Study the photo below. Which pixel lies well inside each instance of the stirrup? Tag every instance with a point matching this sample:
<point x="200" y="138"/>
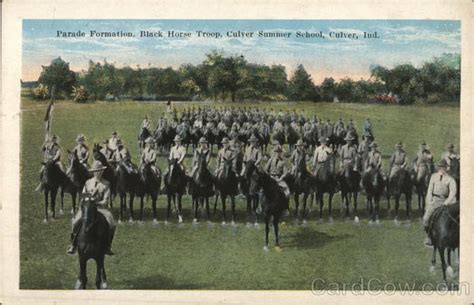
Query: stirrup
<point x="71" y="250"/>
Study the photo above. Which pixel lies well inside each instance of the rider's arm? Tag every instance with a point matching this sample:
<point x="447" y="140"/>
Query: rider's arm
<point x="452" y="192"/>
<point x="429" y="192"/>
<point x="106" y="198"/>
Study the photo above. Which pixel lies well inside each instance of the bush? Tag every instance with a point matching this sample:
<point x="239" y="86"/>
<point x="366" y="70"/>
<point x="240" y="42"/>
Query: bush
<point x="40" y="93"/>
<point x="80" y="94"/>
<point x="434" y="98"/>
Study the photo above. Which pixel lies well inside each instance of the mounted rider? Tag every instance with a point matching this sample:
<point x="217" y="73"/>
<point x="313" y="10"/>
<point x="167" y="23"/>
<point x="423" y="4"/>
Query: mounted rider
<point x="297" y="154"/>
<point x="442" y="190"/>
<point x="99" y="188"/>
<point x="82" y="152"/>
<point x="350" y="126"/>
<point x="364" y="148"/>
<point x="112" y="142"/>
<point x="276" y="168"/>
<point x="51" y="151"/>
<point x="108" y="153"/>
<point x="252" y="153"/>
<point x="322" y="154"/>
<point x="449" y="154"/>
<point x="146" y="124"/>
<point x="339" y="128"/>
<point x="203" y="149"/>
<point x="368" y="129"/>
<point x="374" y="158"/>
<point x="225" y="153"/>
<point x="348" y="156"/>
<point x="398" y="160"/>
<point x="423" y="158"/>
<point x="123" y="154"/>
<point x="178" y="152"/>
<point x="149" y="157"/>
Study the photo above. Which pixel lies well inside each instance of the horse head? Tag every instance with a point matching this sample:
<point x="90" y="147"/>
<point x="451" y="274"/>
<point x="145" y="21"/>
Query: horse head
<point x="89" y="211"/>
<point x="454" y="167"/>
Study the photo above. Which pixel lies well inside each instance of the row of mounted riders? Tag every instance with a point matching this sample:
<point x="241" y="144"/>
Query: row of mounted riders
<point x="203" y="185"/>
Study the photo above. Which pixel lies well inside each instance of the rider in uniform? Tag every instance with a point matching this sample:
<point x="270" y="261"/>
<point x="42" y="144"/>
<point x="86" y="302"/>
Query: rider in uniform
<point x="122" y="153"/>
<point x="149" y="156"/>
<point x="423" y="158"/>
<point x="374" y="158"/>
<point x="297" y="154"/>
<point x="51" y="151"/>
<point x="178" y="151"/>
<point x="82" y="152"/>
<point x="112" y="143"/>
<point x="398" y="160"/>
<point x="322" y="154"/>
<point x="202" y="149"/>
<point x="441" y="191"/>
<point x="225" y="153"/>
<point x="108" y="152"/>
<point x="99" y="188"/>
<point x="252" y="153"/>
<point x="348" y="156"/>
<point x="276" y="168"/>
<point x="449" y="154"/>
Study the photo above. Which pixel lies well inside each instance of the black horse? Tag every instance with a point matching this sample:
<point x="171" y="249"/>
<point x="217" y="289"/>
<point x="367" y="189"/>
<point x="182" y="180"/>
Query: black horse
<point x="92" y="242"/>
<point x="78" y="176"/>
<point x="443" y="230"/>
<point x="374" y="186"/>
<point x="175" y="186"/>
<point x="149" y="184"/>
<point x="326" y="182"/>
<point x="349" y="181"/>
<point x="227" y="185"/>
<point x="279" y="136"/>
<point x="127" y="182"/>
<point x="251" y="190"/>
<point x="201" y="186"/>
<point x="292" y="137"/>
<point x="52" y="179"/>
<point x="274" y="200"/>
<point x="303" y="183"/>
<point x="142" y="136"/>
<point x="400" y="183"/>
<point x="455" y="173"/>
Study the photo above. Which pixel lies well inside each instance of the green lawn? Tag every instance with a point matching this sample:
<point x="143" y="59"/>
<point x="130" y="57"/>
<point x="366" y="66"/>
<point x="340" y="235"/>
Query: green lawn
<point x="217" y="257"/>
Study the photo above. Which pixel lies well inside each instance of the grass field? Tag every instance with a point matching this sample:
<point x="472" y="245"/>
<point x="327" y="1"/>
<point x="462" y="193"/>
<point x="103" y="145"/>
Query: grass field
<point x="217" y="257"/>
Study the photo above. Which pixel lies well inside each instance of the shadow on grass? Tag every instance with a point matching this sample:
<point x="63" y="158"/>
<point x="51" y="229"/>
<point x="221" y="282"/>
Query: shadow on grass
<point x="310" y="238"/>
<point x="158" y="281"/>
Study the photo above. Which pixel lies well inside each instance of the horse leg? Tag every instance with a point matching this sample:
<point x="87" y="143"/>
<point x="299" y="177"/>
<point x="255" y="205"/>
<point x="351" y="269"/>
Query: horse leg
<point x="232" y="204"/>
<point x="61" y="211"/>
<point x="433" y="260"/>
<point x="98" y="275"/>
<point x="397" y="205"/>
<point x="408" y="202"/>
<point x="320" y="200"/>
<point x="297" y="204"/>
<point x="141" y="208"/>
<point x="215" y="203"/>
<point x="249" y="208"/>
<point x="355" y="194"/>
<point x="121" y="208"/>
<point x="168" y="209"/>
<point x="132" y="196"/>
<point x="46" y="198"/>
<point x="208" y="214"/>
<point x="305" y="200"/>
<point x="103" y="274"/>
<point x="224" y="216"/>
<point x="443" y="263"/>
<point x="267" y="230"/>
<point x="73" y="196"/>
<point x="153" y="205"/>
<point x="275" y="229"/>
<point x="54" y="193"/>
<point x="82" y="281"/>
<point x="180" y="209"/>
<point x="330" y="206"/>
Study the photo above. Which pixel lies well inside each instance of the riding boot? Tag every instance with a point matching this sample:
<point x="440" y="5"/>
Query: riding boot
<point x="75" y="232"/>
<point x="40" y="187"/>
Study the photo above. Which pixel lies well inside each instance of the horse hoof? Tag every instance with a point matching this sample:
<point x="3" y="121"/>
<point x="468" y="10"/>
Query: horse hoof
<point x="61" y="212"/>
<point x="224" y="223"/>
<point x="331" y="220"/>
<point x="180" y="219"/>
<point x="45" y="220"/>
<point x="233" y="223"/>
<point x="77" y="285"/>
<point x="371" y="222"/>
<point x="356" y="219"/>
<point x="155" y="221"/>
<point x="320" y="220"/>
<point x="278" y="249"/>
<point x="103" y="285"/>
<point x="377" y="222"/>
<point x="450" y="272"/>
<point x="255" y="225"/>
<point x="265" y="248"/>
<point x="432" y="269"/>
<point x="195" y="221"/>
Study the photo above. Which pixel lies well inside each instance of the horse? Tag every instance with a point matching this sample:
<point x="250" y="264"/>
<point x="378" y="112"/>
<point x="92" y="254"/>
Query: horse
<point x="400" y="183"/>
<point x="127" y="182"/>
<point x="326" y="182"/>
<point x="291" y="137"/>
<point x="149" y="184"/>
<point x="142" y="136"/>
<point x="274" y="200"/>
<point x="175" y="186"/>
<point x="251" y="190"/>
<point x="210" y="136"/>
<point x="201" y="186"/>
<point x="302" y="183"/>
<point x="374" y="186"/>
<point x="109" y="173"/>
<point x="349" y="181"/>
<point x="52" y="179"/>
<point x="443" y="230"/>
<point x="279" y="135"/>
<point x="227" y="185"/>
<point x="92" y="242"/>
<point x="421" y="182"/>
<point x="78" y="176"/>
<point x="196" y="134"/>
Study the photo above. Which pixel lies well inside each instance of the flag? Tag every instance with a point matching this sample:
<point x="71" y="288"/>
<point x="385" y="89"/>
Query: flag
<point x="48" y="118"/>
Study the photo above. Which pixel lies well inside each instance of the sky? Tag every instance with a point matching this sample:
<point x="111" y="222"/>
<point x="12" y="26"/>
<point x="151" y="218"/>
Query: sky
<point x="399" y="42"/>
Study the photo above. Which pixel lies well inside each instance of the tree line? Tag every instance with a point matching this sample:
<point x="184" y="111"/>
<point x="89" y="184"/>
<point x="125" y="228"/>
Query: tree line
<point x="233" y="78"/>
